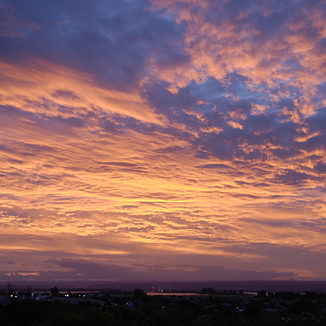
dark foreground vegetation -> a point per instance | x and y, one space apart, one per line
136 308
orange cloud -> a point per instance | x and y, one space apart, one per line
215 154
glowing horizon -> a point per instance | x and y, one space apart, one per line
162 140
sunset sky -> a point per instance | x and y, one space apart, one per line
162 140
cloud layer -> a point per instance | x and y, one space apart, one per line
163 140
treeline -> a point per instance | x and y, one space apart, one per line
310 295
225 292
295 295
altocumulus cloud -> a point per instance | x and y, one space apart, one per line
162 139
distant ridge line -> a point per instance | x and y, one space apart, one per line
272 286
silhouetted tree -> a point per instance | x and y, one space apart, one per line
10 289
261 294
208 291
54 291
28 292
139 294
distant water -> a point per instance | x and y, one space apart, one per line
186 293
172 293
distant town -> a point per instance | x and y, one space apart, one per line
159 306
